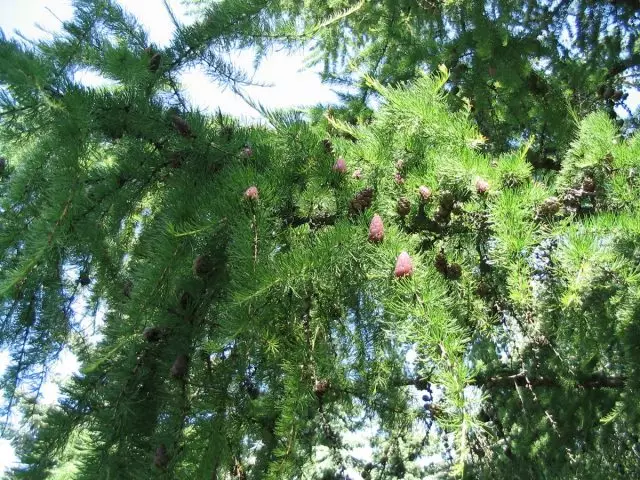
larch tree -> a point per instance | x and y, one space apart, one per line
442 270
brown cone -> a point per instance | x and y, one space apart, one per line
155 62
202 266
441 263
403 206
181 125
320 387
180 366
361 201
161 459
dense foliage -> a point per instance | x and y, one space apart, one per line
441 282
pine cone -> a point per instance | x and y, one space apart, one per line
84 279
482 186
202 266
442 215
454 271
447 199
186 299
155 62
181 125
152 334
404 266
340 166
175 160
441 263
398 178
251 194
403 206
327 145
549 207
361 201
320 387
589 184
180 366
607 93
161 459
246 151
483 289
357 174
126 288
424 192
376 229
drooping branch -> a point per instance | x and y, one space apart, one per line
521 379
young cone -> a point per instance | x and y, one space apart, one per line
424 192
376 229
340 166
482 186
251 193
404 266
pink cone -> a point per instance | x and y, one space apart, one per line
482 186
247 151
425 193
376 229
404 266
340 166
398 179
251 193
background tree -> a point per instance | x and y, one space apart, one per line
268 292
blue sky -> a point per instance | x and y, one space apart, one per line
291 86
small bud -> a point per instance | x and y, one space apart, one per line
424 192
340 166
247 151
357 174
482 186
328 146
376 229
180 366
400 165
251 193
404 266
398 179
161 459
